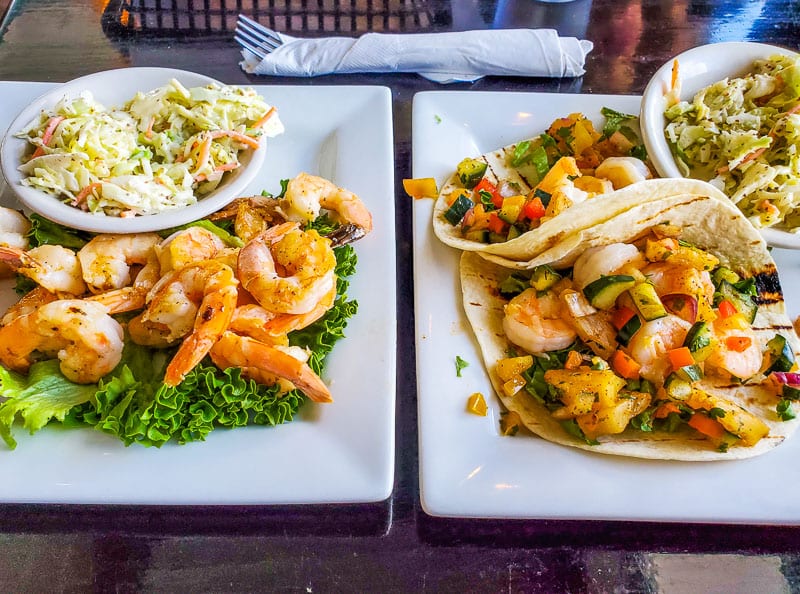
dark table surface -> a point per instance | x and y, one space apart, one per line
393 545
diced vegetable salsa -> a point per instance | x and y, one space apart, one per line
563 166
629 345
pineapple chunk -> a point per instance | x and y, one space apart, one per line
745 425
614 419
514 384
508 368
668 249
580 404
593 185
602 384
476 404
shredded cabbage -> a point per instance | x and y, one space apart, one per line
161 150
743 136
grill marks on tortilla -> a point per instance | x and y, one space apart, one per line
769 286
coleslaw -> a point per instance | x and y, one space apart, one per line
743 136
163 149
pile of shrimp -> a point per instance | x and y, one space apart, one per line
190 290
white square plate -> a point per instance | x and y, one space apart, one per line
467 469
337 453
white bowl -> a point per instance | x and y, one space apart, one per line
113 88
700 67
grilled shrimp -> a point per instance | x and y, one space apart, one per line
535 322
307 194
87 340
187 246
28 303
650 344
107 259
736 350
287 270
54 267
623 171
14 229
195 303
604 260
265 364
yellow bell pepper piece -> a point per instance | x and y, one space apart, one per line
422 187
476 404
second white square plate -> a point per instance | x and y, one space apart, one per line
467 469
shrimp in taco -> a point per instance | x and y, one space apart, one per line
659 332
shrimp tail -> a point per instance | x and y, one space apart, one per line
213 318
242 351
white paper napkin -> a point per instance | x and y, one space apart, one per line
441 57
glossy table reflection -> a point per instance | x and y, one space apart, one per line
389 546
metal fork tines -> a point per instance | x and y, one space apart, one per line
255 37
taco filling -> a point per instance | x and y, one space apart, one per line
648 339
500 196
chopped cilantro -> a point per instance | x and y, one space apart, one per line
460 364
716 413
614 120
785 410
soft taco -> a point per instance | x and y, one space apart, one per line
498 202
659 332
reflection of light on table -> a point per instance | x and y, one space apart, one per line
505 486
570 19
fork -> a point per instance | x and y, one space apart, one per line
255 37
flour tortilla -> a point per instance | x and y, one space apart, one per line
708 223
551 232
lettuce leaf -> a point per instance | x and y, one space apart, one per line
44 394
151 415
44 231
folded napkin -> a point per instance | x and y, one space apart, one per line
440 57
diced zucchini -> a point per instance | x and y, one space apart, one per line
470 172
723 273
458 209
790 392
628 330
699 340
780 354
513 233
690 373
511 208
647 301
603 292
544 277
497 237
743 302
479 235
677 388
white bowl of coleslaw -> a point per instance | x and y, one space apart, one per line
136 149
683 140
